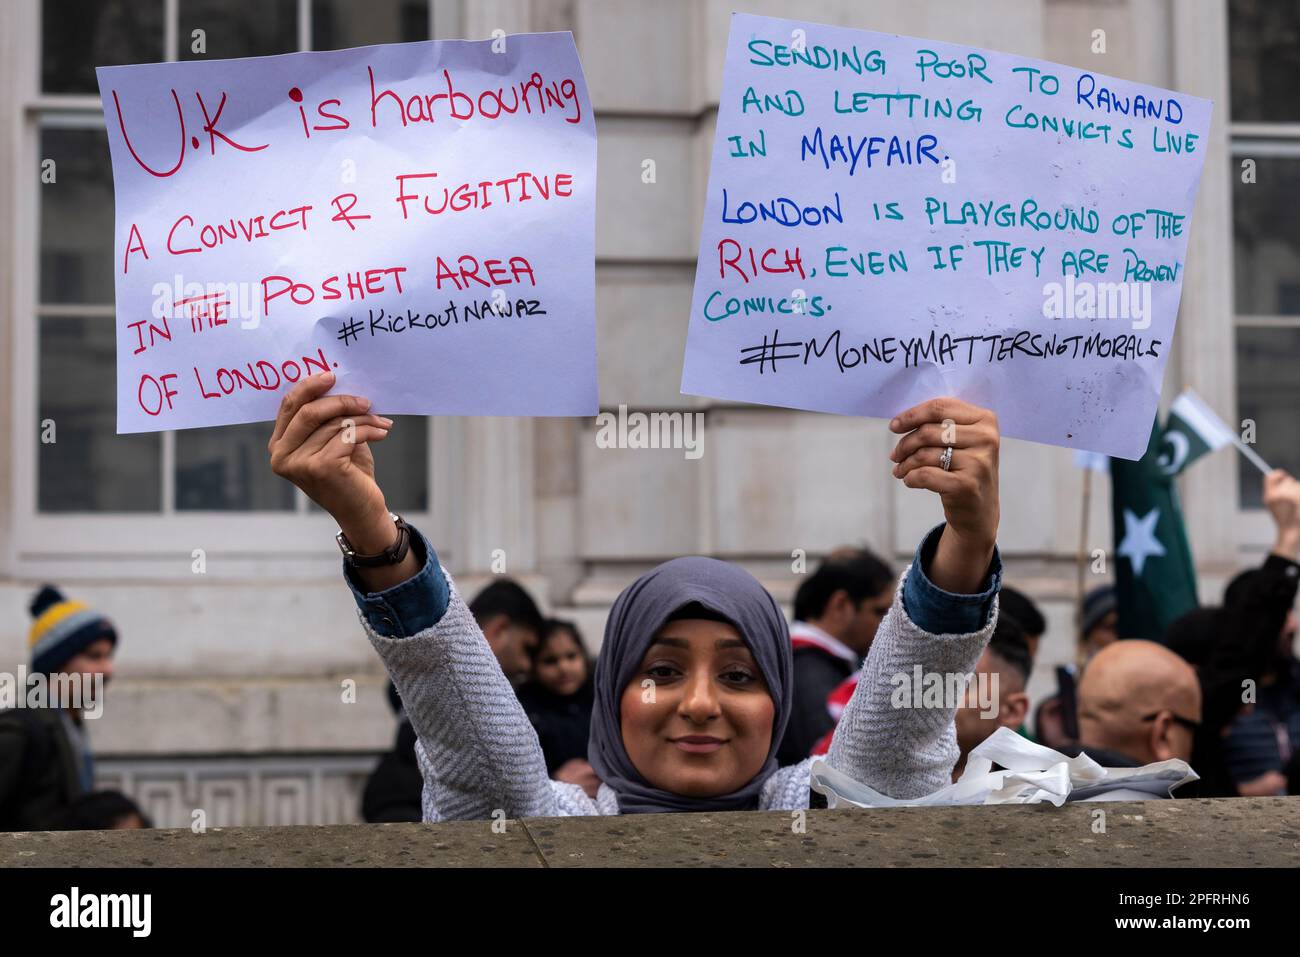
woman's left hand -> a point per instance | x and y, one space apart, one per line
968 488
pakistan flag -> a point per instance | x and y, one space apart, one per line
1154 575
1191 431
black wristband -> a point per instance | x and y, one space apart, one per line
394 554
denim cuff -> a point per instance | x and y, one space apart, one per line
409 607
942 612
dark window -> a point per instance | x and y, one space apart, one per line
79 35
1268 391
1266 234
237 28
226 469
1264 60
89 467
76 217
339 24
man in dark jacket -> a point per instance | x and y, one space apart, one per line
392 792
45 757
837 610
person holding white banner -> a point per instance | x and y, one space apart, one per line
693 684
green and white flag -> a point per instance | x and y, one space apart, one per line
1155 578
1191 431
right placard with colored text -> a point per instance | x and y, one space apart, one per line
891 219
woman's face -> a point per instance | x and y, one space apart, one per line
561 667
697 715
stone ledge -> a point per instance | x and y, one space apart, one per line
1243 832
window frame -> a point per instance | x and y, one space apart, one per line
1246 140
162 544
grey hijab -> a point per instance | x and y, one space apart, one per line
638 613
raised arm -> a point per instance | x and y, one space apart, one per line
1255 622
478 752
943 613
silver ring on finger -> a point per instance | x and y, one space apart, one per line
945 460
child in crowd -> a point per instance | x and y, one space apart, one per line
557 698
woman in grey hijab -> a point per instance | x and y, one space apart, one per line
693 682
695 590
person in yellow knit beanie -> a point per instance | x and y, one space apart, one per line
45 758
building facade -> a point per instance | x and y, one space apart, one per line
246 688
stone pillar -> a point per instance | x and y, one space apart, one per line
1206 356
495 498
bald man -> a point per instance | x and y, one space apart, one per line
1140 700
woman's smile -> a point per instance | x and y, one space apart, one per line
698 743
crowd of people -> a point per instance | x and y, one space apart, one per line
1221 690
703 697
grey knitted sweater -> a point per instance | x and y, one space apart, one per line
480 758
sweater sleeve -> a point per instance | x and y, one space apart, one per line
408 607
477 750
944 612
908 751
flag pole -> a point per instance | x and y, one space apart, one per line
1251 455
1082 558
1204 420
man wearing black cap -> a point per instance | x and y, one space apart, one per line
45 757
1099 622
837 611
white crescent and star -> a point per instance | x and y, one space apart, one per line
1171 464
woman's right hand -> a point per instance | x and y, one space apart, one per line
320 444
